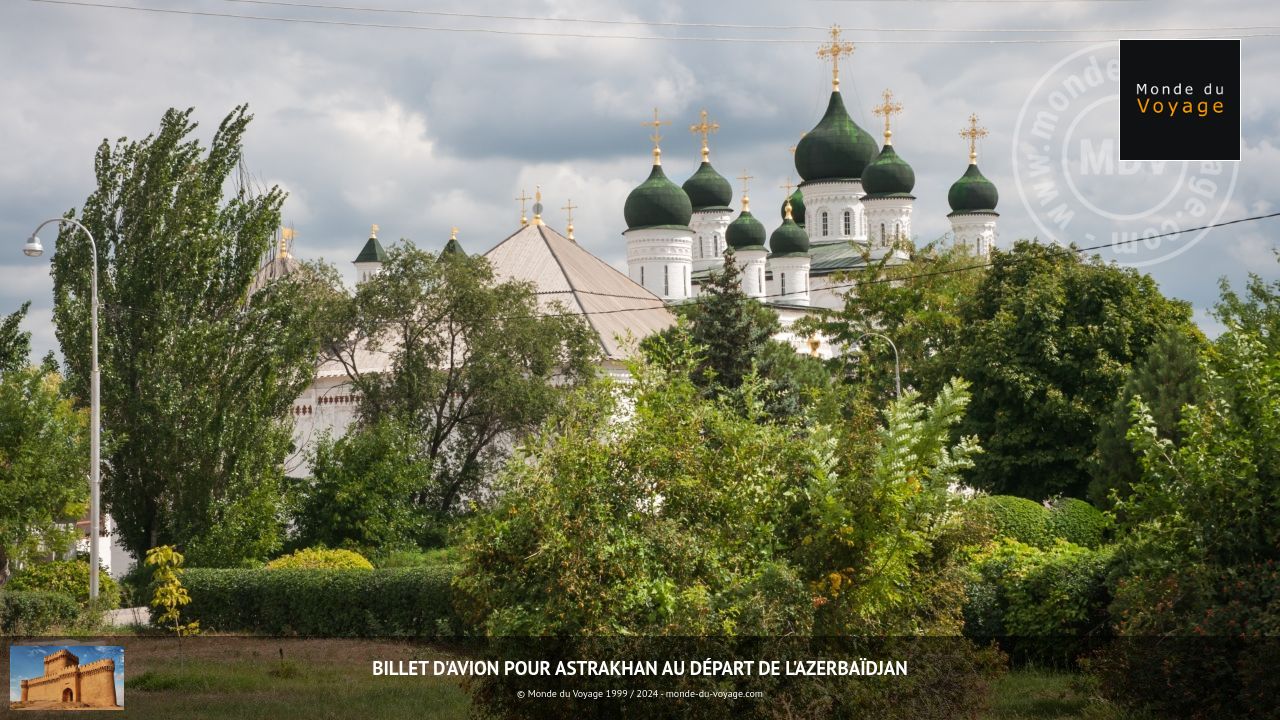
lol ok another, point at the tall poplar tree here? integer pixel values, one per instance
(197, 376)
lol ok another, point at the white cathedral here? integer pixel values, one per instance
(854, 204)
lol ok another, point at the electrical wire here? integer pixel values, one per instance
(588, 36)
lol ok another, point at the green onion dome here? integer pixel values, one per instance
(657, 202)
(707, 189)
(797, 207)
(888, 174)
(836, 148)
(788, 239)
(973, 192)
(745, 232)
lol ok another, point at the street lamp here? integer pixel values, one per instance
(897, 368)
(33, 248)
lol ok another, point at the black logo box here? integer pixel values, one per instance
(1186, 68)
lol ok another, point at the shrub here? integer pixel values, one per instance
(321, 559)
(329, 603)
(30, 612)
(1078, 522)
(1015, 518)
(1019, 591)
(69, 577)
(419, 558)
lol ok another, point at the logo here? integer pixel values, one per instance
(1075, 187)
(66, 677)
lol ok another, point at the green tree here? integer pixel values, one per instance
(15, 344)
(474, 362)
(734, 336)
(361, 492)
(197, 376)
(44, 465)
(919, 305)
(1047, 342)
(1166, 378)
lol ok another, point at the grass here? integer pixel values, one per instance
(1031, 694)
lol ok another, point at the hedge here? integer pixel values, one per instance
(326, 603)
(31, 612)
(1016, 518)
(1076, 521)
(321, 559)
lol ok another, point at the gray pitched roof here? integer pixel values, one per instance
(613, 304)
(372, 252)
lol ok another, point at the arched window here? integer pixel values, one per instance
(642, 275)
(824, 223)
(883, 238)
(687, 290)
(783, 277)
(666, 279)
(848, 223)
(897, 230)
(760, 280)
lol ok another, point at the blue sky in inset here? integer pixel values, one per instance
(27, 661)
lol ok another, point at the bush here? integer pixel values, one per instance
(328, 603)
(1015, 518)
(69, 577)
(321, 559)
(419, 558)
(1059, 593)
(1078, 522)
(30, 612)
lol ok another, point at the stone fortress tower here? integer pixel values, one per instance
(68, 684)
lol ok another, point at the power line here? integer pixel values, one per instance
(588, 36)
(732, 26)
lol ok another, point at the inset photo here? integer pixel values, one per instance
(66, 677)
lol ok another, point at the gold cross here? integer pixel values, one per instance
(746, 179)
(286, 237)
(786, 205)
(373, 231)
(656, 137)
(704, 129)
(524, 198)
(973, 133)
(568, 208)
(453, 233)
(834, 50)
(888, 110)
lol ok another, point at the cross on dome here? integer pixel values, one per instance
(973, 133)
(523, 198)
(746, 180)
(656, 123)
(834, 50)
(569, 208)
(704, 129)
(888, 109)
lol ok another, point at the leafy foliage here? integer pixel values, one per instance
(197, 376)
(474, 363)
(919, 304)
(44, 458)
(15, 345)
(1020, 591)
(321, 559)
(1166, 379)
(1201, 536)
(67, 577)
(32, 612)
(1077, 522)
(361, 493)
(1047, 342)
(328, 603)
(1014, 518)
(169, 595)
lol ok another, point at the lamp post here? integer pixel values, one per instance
(897, 368)
(33, 248)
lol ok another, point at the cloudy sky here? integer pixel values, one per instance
(418, 130)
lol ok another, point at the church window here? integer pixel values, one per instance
(760, 280)
(784, 283)
(666, 279)
(883, 237)
(824, 223)
(848, 223)
(642, 275)
(687, 290)
(897, 229)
